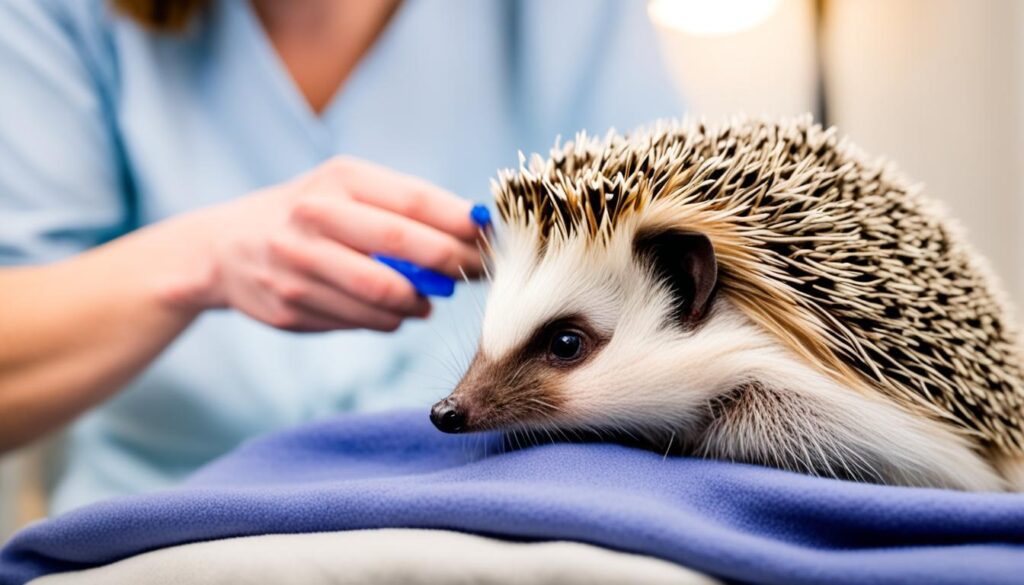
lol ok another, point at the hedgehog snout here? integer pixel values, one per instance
(449, 415)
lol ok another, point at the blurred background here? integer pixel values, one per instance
(935, 85)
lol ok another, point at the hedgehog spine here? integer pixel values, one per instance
(859, 285)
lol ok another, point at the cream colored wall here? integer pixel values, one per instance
(10, 474)
(766, 70)
(1019, 92)
(936, 85)
(21, 489)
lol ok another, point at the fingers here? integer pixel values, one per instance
(324, 299)
(319, 307)
(319, 275)
(382, 232)
(351, 273)
(371, 230)
(406, 196)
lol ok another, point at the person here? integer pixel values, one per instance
(164, 160)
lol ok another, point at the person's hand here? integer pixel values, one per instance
(296, 256)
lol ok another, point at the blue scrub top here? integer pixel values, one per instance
(105, 127)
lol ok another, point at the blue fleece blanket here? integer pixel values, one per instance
(394, 470)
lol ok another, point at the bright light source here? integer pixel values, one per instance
(711, 17)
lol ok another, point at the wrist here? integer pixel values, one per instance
(187, 280)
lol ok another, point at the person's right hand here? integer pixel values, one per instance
(296, 256)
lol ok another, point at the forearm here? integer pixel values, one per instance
(294, 256)
(74, 332)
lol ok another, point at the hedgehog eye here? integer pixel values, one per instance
(566, 346)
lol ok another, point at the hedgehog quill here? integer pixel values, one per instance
(756, 291)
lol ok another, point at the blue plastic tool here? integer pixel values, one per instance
(426, 281)
(481, 216)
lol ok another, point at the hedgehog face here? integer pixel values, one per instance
(595, 336)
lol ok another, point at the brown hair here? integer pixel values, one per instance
(161, 15)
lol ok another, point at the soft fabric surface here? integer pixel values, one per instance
(395, 470)
(381, 557)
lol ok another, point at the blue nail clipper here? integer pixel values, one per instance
(425, 281)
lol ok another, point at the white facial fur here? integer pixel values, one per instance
(626, 382)
(655, 381)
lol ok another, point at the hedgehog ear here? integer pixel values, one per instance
(687, 261)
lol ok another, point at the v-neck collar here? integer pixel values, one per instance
(318, 127)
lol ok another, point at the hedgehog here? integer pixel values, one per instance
(755, 291)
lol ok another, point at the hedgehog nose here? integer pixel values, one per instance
(447, 416)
